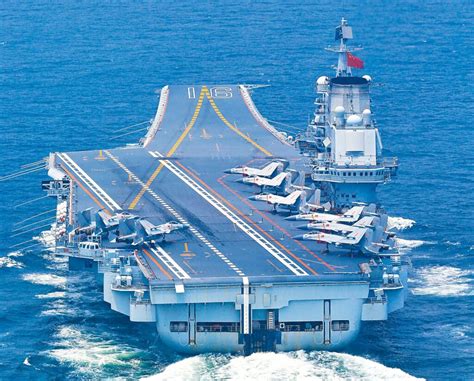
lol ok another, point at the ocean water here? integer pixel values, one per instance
(72, 73)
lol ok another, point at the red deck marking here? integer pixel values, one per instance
(158, 264)
(249, 219)
(322, 261)
(87, 191)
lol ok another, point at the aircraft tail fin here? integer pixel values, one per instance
(100, 225)
(84, 218)
(140, 235)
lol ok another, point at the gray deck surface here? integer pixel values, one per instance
(230, 236)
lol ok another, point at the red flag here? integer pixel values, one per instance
(354, 61)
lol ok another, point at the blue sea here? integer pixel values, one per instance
(73, 73)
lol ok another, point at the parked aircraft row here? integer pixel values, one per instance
(125, 227)
(358, 228)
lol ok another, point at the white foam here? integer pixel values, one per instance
(90, 354)
(9, 262)
(400, 223)
(51, 295)
(406, 245)
(46, 279)
(62, 309)
(15, 254)
(443, 281)
(453, 243)
(298, 365)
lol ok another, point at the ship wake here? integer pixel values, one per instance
(298, 365)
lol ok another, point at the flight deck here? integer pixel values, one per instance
(179, 174)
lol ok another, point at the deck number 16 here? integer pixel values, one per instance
(216, 92)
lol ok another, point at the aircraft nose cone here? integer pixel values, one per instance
(291, 218)
(299, 237)
(228, 171)
(303, 227)
(240, 180)
(253, 198)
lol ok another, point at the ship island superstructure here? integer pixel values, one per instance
(229, 236)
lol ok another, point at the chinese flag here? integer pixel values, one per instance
(354, 61)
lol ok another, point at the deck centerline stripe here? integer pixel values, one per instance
(232, 127)
(94, 187)
(175, 214)
(172, 150)
(110, 204)
(252, 222)
(168, 275)
(245, 227)
(169, 261)
(99, 204)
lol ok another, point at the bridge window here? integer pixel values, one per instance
(179, 326)
(301, 326)
(340, 325)
(218, 327)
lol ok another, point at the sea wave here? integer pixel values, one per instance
(406, 245)
(93, 356)
(52, 295)
(400, 223)
(46, 279)
(298, 365)
(9, 262)
(443, 281)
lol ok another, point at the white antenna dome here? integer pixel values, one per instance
(354, 120)
(368, 78)
(340, 110)
(322, 80)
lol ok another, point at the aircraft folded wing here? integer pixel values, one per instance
(148, 226)
(364, 222)
(355, 237)
(354, 213)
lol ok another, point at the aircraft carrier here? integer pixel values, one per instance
(230, 235)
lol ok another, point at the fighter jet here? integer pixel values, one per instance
(146, 231)
(368, 235)
(137, 231)
(269, 170)
(352, 239)
(297, 200)
(364, 222)
(292, 202)
(352, 215)
(84, 223)
(105, 223)
(281, 184)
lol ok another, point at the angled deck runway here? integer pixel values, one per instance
(178, 174)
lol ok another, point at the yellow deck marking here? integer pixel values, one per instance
(204, 92)
(100, 156)
(186, 249)
(232, 127)
(134, 203)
